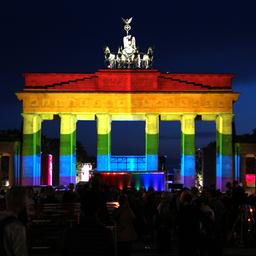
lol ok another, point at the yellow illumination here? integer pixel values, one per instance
(152, 124)
(188, 123)
(31, 123)
(67, 123)
(103, 123)
(224, 123)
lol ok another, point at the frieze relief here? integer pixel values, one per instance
(127, 102)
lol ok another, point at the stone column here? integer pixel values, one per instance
(237, 162)
(31, 149)
(188, 166)
(103, 142)
(67, 149)
(16, 162)
(151, 132)
(224, 161)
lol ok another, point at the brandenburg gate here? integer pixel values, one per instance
(129, 89)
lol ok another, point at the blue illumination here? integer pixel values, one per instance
(188, 170)
(154, 180)
(152, 162)
(16, 166)
(103, 163)
(128, 163)
(224, 166)
(31, 170)
(237, 162)
(145, 180)
(223, 171)
(16, 163)
(67, 169)
(237, 168)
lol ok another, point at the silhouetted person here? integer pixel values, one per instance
(13, 240)
(70, 196)
(90, 237)
(188, 226)
(126, 233)
(47, 195)
(163, 223)
(207, 230)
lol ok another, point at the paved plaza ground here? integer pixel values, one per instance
(142, 252)
(227, 252)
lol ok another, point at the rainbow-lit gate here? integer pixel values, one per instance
(127, 94)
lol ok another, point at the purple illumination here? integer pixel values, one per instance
(146, 180)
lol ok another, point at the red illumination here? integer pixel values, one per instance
(251, 210)
(127, 80)
(117, 179)
(46, 174)
(250, 180)
(113, 173)
(249, 219)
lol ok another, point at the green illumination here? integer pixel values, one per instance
(151, 144)
(103, 147)
(31, 144)
(224, 144)
(68, 144)
(187, 144)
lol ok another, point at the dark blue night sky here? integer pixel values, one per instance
(189, 36)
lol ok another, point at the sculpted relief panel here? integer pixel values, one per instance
(127, 102)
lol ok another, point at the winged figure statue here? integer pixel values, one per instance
(127, 21)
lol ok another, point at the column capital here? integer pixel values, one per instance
(103, 123)
(188, 123)
(32, 123)
(224, 123)
(152, 123)
(68, 123)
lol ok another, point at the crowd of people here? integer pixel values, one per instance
(189, 221)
